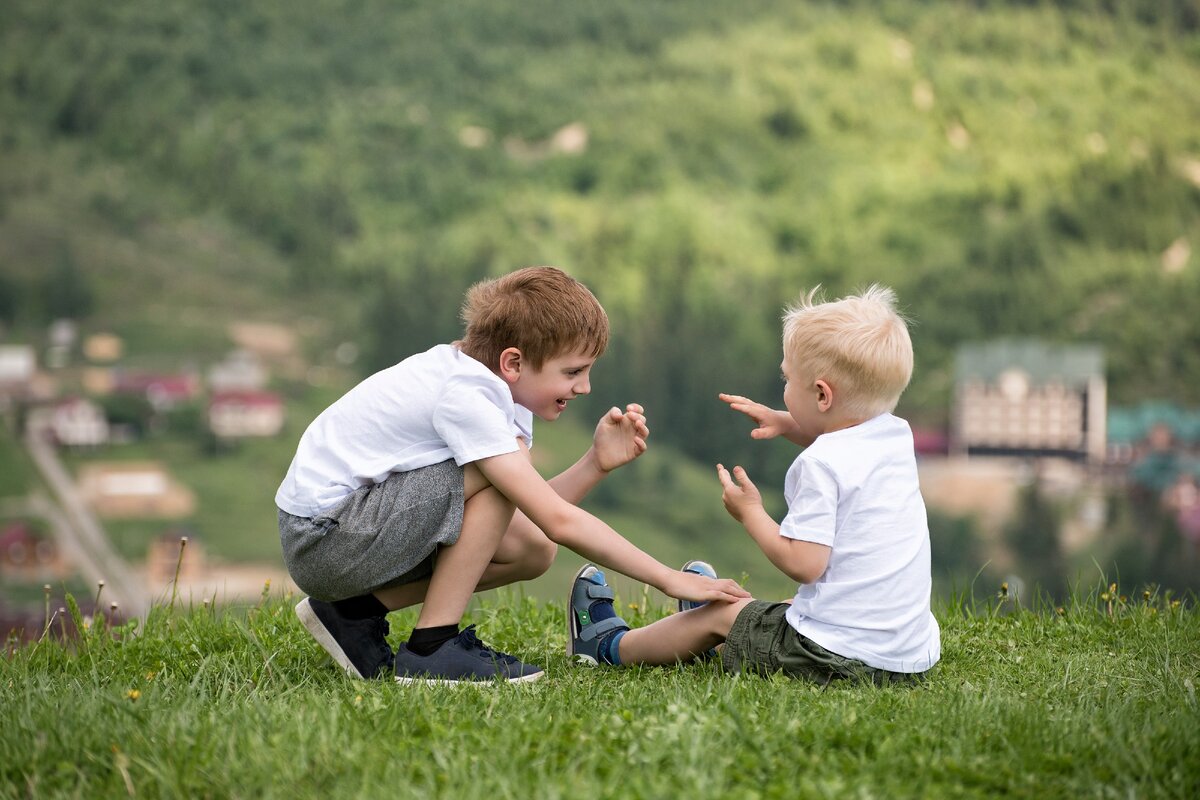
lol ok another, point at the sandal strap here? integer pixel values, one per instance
(598, 629)
(596, 592)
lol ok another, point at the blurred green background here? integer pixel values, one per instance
(345, 168)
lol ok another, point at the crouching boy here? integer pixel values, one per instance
(416, 486)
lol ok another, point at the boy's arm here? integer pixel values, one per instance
(771, 422)
(619, 439)
(566, 524)
(803, 562)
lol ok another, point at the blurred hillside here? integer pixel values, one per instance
(348, 167)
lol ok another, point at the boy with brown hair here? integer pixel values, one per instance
(855, 537)
(416, 486)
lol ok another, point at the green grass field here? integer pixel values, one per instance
(1095, 700)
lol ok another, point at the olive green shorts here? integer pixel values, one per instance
(761, 641)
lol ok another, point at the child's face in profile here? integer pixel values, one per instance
(801, 397)
(547, 391)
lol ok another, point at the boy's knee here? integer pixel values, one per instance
(537, 556)
(532, 557)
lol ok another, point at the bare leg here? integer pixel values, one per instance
(524, 553)
(518, 558)
(680, 637)
(459, 567)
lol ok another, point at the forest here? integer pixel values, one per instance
(351, 166)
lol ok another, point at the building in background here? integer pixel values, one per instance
(18, 363)
(78, 422)
(1027, 398)
(237, 415)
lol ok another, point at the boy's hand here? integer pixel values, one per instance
(740, 497)
(620, 437)
(770, 422)
(690, 586)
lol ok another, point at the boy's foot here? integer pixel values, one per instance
(357, 646)
(705, 569)
(700, 568)
(590, 616)
(463, 659)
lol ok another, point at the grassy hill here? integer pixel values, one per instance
(346, 167)
(1095, 701)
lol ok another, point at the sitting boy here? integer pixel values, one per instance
(855, 536)
(416, 486)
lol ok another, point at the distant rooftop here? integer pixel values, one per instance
(1043, 362)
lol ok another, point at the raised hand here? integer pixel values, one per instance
(738, 497)
(620, 437)
(771, 422)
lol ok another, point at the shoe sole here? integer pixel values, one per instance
(312, 623)
(573, 625)
(449, 682)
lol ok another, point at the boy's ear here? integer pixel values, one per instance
(824, 396)
(510, 364)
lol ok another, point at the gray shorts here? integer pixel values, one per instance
(379, 536)
(762, 641)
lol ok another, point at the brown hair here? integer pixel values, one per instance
(542, 311)
(860, 344)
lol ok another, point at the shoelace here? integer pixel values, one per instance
(470, 640)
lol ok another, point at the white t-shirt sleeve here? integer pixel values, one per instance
(811, 492)
(474, 421)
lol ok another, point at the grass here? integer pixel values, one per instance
(1097, 700)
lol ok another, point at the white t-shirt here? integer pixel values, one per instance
(856, 490)
(430, 407)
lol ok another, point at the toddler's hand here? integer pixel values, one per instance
(620, 437)
(740, 496)
(770, 422)
(690, 586)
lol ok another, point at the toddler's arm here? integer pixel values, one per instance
(801, 561)
(771, 422)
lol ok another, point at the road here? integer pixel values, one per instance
(81, 536)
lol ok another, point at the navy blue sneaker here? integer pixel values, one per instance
(463, 659)
(358, 646)
(590, 615)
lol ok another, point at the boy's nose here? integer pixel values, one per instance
(583, 387)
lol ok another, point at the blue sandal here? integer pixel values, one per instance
(590, 596)
(707, 570)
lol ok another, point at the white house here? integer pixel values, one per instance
(235, 415)
(1029, 398)
(77, 422)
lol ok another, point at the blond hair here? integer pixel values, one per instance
(859, 344)
(540, 310)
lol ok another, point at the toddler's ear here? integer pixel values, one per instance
(824, 396)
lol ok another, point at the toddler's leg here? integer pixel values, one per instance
(681, 636)
(597, 635)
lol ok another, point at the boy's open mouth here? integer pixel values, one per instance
(561, 403)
